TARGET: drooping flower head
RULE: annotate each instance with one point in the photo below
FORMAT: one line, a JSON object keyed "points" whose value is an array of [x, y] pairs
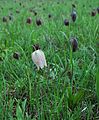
{"points": [[16, 55], [74, 44], [93, 13], [66, 22], [38, 57], [29, 20], [73, 16]]}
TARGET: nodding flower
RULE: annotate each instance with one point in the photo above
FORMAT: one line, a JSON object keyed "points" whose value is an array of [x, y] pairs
{"points": [[74, 44], [38, 58], [29, 20], [93, 13], [66, 22], [38, 22], [73, 16]]}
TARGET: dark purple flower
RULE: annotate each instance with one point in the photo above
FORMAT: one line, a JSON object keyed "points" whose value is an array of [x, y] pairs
{"points": [[4, 19], [74, 44], [73, 16], [66, 22], [29, 20], [16, 55], [93, 13], [38, 22], [49, 16]]}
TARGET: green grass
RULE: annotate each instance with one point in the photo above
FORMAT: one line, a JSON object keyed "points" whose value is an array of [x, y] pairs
{"points": [[67, 88]]}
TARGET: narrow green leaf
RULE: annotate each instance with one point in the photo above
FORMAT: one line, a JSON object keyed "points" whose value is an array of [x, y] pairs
{"points": [[19, 113], [97, 85]]}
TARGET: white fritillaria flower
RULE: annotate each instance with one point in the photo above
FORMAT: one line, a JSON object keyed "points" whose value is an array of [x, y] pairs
{"points": [[38, 58]]}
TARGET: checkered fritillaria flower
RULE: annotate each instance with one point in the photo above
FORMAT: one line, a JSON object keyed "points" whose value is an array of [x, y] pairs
{"points": [[39, 59], [74, 44]]}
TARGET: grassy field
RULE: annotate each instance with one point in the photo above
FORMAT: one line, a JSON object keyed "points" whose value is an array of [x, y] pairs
{"points": [[64, 90]]}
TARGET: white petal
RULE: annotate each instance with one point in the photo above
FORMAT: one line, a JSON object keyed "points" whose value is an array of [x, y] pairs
{"points": [[38, 58]]}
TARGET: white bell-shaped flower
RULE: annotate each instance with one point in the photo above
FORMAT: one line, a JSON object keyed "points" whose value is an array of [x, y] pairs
{"points": [[38, 58]]}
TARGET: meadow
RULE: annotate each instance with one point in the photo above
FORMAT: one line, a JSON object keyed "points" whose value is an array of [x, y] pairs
{"points": [[68, 88]]}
